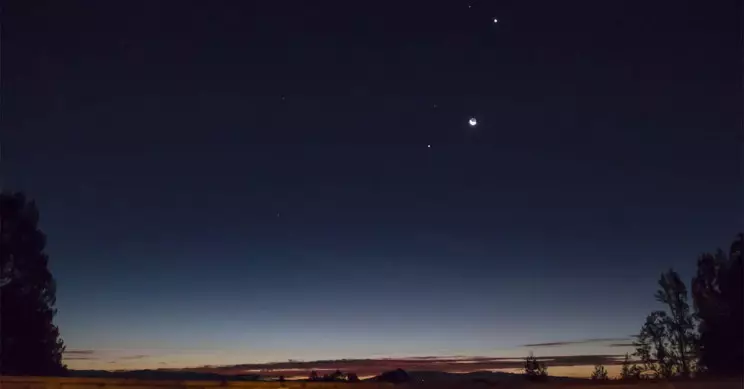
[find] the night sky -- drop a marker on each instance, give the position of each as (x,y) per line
(250,181)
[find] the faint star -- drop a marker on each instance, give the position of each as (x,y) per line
(428,146)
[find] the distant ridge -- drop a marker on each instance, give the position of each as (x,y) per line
(485,377)
(174,375)
(397,376)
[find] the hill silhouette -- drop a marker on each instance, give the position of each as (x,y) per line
(163,375)
(486,377)
(441,377)
(393,376)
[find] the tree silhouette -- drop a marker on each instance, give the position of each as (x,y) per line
(717,293)
(352,377)
(652,345)
(679,323)
(535,370)
(629,371)
(599,373)
(314,376)
(336,375)
(31,344)
(667,343)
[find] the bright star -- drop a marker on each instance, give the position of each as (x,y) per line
(495,20)
(472,122)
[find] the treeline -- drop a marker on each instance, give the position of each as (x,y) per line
(30,343)
(336,376)
(679,341)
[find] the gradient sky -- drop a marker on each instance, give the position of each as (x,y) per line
(238,182)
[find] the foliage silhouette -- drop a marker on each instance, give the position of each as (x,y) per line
(535,370)
(676,342)
(599,373)
(30,342)
(335,376)
(652,346)
(717,292)
(629,371)
(679,322)
(667,341)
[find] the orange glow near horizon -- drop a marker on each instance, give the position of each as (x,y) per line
(365,369)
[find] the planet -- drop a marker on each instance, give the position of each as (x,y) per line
(473,122)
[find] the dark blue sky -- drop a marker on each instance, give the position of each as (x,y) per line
(254,179)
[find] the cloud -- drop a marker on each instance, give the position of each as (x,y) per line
(79,355)
(582,341)
(79,352)
(579,360)
(370,367)
(135,357)
(364,367)
(90,355)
